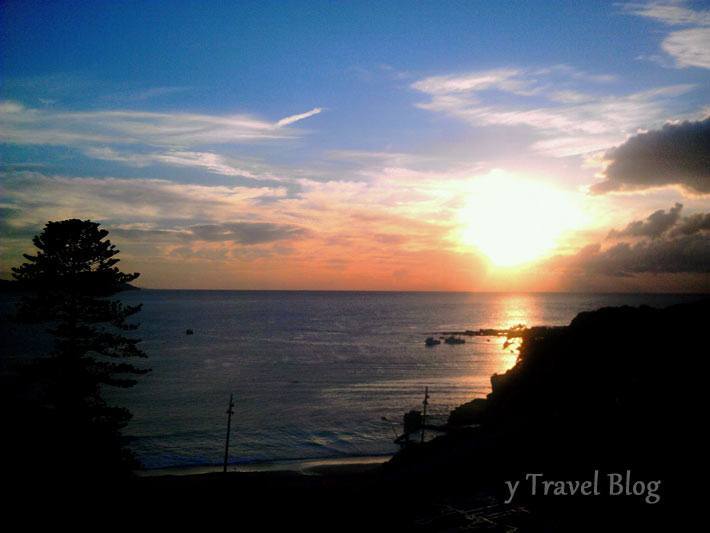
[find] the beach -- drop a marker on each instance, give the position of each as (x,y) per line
(341,465)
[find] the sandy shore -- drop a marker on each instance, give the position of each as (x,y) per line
(335,465)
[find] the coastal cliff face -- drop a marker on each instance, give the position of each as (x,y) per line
(616,390)
(624,368)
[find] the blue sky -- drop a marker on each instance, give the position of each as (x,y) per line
(282,104)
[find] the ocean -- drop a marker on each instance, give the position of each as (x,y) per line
(314,375)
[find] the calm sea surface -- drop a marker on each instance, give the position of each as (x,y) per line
(313,373)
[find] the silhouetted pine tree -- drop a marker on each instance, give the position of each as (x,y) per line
(69,282)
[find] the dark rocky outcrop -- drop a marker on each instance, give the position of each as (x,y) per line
(618,389)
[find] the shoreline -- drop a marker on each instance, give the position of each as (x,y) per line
(330,465)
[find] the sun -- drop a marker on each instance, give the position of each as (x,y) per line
(514,220)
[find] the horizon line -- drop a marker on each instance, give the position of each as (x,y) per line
(423,291)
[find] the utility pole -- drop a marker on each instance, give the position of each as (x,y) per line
(230,412)
(424,403)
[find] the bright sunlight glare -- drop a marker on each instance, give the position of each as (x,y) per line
(514,220)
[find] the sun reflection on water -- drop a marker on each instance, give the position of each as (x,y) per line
(517,309)
(514,310)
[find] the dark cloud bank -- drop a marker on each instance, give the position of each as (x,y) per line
(665,242)
(654,226)
(677,154)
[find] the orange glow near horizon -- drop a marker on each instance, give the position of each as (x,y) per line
(514,221)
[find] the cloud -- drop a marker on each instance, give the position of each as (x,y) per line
(247,233)
(40,198)
(317,234)
(688,47)
(295,118)
(509,80)
(23,125)
(663,223)
(393,203)
(691,225)
(662,243)
(669,13)
(677,154)
(654,226)
(566,119)
(524,82)
(214,163)
(686,254)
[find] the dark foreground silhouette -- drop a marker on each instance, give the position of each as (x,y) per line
(616,391)
(54,412)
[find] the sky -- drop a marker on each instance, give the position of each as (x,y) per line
(456,146)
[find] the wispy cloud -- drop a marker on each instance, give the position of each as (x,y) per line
(674,13)
(373,233)
(42,197)
(688,47)
(23,125)
(568,120)
(368,158)
(301,116)
(212,162)
(508,80)
(239,232)
(525,82)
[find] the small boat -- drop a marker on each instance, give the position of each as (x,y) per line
(431,341)
(189,332)
(454,340)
